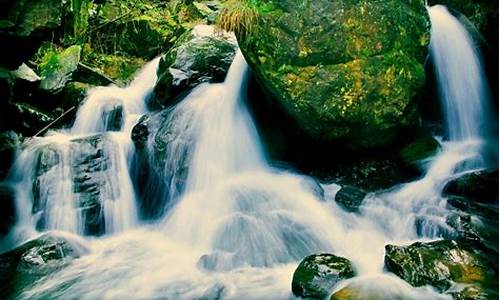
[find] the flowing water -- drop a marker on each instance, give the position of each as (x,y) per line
(240,227)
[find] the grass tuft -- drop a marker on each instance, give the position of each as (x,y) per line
(238,16)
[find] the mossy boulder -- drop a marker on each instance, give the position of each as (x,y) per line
(36,259)
(344,70)
(480,186)
(316,275)
(28,17)
(415,153)
(442,264)
(57,67)
(200,55)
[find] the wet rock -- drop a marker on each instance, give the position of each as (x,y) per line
(35,259)
(481,186)
(89,166)
(200,55)
(161,175)
(9,144)
(26,118)
(350,198)
(316,275)
(7,209)
(345,71)
(441,264)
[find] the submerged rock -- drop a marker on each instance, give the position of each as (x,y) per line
(343,70)
(441,264)
(35,259)
(350,198)
(316,275)
(200,55)
(481,186)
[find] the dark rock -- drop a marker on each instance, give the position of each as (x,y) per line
(7,209)
(441,264)
(9,144)
(26,118)
(350,198)
(161,175)
(90,163)
(74,93)
(316,275)
(343,70)
(35,259)
(200,55)
(416,152)
(481,186)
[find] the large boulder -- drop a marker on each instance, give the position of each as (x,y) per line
(344,70)
(27,17)
(57,67)
(481,186)
(35,259)
(442,264)
(316,275)
(200,55)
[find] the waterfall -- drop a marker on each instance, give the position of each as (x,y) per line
(240,227)
(77,180)
(462,84)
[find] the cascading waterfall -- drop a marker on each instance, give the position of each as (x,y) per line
(61,174)
(240,227)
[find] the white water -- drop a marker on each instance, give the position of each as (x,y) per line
(241,227)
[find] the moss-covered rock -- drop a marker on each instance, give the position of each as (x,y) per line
(27,17)
(35,259)
(200,55)
(442,264)
(57,67)
(316,275)
(344,70)
(415,153)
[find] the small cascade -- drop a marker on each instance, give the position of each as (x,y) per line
(77,180)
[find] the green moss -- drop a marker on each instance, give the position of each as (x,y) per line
(56,66)
(344,70)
